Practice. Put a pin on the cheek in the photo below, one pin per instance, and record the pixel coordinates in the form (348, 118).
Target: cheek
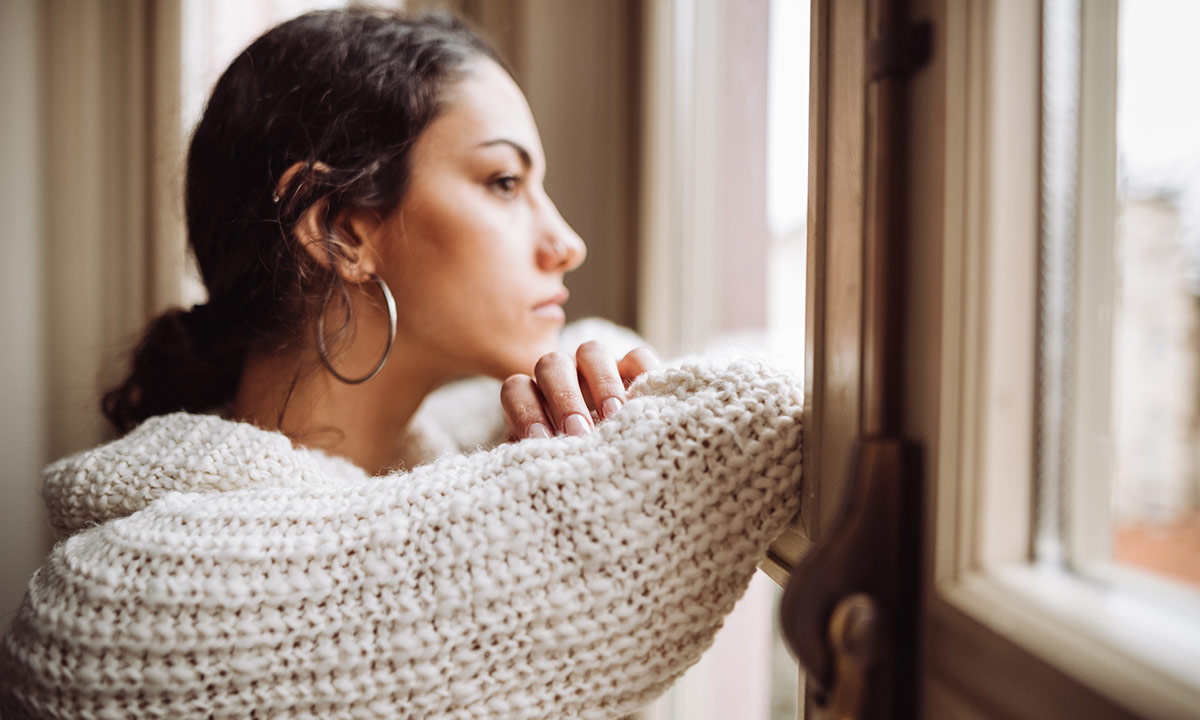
(467, 273)
(468, 251)
(465, 293)
(430, 257)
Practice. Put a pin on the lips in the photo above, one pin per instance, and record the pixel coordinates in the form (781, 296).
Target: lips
(551, 308)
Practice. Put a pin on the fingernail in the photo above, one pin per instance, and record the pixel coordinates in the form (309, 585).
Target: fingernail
(576, 424)
(610, 406)
(537, 430)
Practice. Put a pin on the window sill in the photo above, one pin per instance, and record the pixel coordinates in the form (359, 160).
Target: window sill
(1113, 642)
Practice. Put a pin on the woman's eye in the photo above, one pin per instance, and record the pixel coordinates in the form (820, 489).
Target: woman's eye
(506, 186)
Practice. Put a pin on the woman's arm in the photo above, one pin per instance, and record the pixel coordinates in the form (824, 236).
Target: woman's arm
(565, 577)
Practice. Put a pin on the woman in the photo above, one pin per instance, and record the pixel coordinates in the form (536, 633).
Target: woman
(365, 202)
(295, 211)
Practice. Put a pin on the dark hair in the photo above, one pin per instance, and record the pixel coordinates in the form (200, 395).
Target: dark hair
(345, 93)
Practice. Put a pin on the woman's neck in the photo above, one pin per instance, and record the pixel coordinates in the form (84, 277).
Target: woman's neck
(363, 423)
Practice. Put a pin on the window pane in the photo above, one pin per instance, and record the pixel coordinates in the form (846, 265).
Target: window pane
(1118, 457)
(1156, 331)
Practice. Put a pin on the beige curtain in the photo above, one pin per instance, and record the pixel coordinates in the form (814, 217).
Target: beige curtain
(93, 243)
(113, 209)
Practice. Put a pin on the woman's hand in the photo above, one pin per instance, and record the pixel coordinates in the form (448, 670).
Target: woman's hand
(563, 393)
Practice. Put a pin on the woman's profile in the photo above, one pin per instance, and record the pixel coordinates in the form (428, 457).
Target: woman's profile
(365, 203)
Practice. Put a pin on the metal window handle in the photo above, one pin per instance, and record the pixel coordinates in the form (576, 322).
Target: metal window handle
(854, 635)
(849, 609)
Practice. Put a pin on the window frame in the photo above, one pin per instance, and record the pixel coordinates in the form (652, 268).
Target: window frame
(1003, 637)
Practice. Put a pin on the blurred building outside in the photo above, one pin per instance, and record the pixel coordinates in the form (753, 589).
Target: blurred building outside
(1156, 323)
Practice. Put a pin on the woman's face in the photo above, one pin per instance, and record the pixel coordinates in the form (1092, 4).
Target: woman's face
(476, 252)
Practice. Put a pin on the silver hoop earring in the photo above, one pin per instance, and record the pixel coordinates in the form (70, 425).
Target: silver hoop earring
(391, 308)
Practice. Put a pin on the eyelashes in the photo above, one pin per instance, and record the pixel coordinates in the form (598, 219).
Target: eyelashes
(507, 185)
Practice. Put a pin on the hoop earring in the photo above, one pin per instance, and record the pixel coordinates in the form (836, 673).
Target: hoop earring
(391, 308)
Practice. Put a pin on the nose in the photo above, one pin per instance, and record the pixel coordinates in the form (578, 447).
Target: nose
(560, 247)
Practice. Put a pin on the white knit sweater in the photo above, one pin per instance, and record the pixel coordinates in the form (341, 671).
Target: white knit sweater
(231, 575)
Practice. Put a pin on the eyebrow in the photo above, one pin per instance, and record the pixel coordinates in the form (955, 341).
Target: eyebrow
(526, 158)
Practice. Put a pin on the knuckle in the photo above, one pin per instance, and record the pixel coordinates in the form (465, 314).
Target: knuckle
(518, 396)
(643, 355)
(550, 361)
(515, 384)
(592, 348)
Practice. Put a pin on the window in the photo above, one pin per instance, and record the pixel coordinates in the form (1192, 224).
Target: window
(1025, 429)
(723, 228)
(1155, 290)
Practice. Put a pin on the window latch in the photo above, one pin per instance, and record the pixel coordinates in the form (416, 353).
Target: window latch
(849, 611)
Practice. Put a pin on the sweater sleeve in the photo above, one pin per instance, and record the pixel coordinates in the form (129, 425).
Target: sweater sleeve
(566, 577)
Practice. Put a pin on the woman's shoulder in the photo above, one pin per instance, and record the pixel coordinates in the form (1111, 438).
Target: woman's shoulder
(177, 452)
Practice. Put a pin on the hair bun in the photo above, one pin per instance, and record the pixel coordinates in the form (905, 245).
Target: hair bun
(174, 369)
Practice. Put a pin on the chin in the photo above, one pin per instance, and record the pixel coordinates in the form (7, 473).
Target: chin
(510, 358)
(551, 342)
(501, 366)
(525, 359)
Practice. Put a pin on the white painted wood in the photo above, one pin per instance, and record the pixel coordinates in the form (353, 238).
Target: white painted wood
(1010, 229)
(1090, 488)
(1119, 646)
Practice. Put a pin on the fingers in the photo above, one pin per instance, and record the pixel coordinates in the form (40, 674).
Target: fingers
(559, 383)
(557, 398)
(523, 410)
(553, 403)
(636, 362)
(602, 385)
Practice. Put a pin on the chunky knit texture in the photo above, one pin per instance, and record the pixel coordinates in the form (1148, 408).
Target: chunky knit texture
(557, 578)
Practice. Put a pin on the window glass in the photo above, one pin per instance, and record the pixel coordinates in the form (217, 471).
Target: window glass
(1118, 394)
(1156, 320)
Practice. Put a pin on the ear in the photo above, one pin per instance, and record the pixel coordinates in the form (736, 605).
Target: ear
(348, 243)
